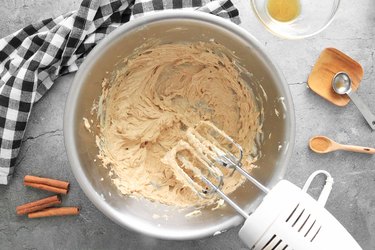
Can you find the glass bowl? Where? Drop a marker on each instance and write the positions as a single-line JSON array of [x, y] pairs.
[[311, 18]]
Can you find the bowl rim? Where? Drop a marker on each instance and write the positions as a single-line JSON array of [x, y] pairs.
[[295, 37], [73, 96]]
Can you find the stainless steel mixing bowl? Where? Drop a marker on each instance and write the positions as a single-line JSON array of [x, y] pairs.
[[170, 27]]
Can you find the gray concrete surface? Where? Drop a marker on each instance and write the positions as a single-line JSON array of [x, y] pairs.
[[352, 200]]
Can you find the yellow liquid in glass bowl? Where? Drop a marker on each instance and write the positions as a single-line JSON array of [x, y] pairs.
[[284, 10]]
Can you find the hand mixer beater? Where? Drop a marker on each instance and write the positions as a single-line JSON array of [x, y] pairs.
[[287, 218]]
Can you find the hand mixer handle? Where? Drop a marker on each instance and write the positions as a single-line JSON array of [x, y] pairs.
[[288, 218], [326, 189]]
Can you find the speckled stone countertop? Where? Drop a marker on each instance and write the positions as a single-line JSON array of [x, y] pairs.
[[352, 200]]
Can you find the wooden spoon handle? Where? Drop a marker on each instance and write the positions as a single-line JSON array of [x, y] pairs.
[[358, 149]]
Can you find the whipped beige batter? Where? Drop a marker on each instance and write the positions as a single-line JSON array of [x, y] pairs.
[[147, 106]]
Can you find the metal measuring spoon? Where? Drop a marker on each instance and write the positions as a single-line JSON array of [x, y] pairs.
[[342, 84]]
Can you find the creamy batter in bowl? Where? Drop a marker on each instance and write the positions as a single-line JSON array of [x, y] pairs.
[[152, 218], [148, 104]]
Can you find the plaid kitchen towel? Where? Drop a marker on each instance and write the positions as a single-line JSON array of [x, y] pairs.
[[33, 57]]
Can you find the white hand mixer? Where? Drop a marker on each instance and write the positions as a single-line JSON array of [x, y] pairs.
[[287, 218]]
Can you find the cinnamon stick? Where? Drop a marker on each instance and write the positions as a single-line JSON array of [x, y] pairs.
[[38, 205], [46, 187], [47, 181], [56, 211]]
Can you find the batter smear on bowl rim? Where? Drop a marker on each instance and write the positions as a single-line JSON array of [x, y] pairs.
[[149, 103]]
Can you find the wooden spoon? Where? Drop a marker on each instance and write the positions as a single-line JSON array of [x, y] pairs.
[[321, 144]]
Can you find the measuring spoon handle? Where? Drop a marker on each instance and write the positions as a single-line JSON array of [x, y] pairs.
[[370, 118], [358, 149]]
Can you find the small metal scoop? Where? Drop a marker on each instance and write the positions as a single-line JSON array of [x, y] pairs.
[[342, 84]]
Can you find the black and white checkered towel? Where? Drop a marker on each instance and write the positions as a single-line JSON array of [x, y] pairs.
[[33, 57]]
